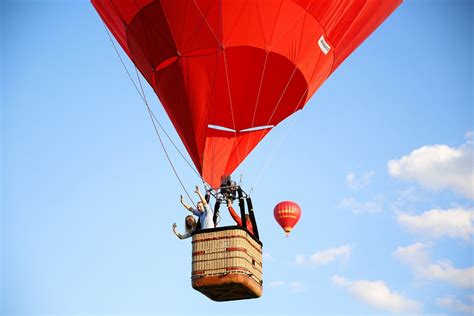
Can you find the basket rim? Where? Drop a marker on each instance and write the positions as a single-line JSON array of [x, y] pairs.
[[224, 228]]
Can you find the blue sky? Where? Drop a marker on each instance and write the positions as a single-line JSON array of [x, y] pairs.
[[380, 160]]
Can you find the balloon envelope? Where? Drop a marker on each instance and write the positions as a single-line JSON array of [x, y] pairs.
[[227, 71]]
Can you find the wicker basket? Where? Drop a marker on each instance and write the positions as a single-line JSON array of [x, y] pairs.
[[227, 264]]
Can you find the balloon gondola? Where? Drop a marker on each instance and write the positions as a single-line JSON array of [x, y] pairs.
[[229, 267], [227, 261]]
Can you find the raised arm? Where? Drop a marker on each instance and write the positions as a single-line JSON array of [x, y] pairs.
[[180, 236], [232, 212], [203, 200], [186, 206]]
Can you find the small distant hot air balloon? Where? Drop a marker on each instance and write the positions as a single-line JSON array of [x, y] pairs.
[[287, 214]]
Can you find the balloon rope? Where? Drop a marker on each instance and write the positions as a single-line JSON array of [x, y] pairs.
[[203, 16], [273, 153], [267, 162], [152, 116], [231, 107], [176, 147], [286, 134], [207, 23], [258, 96], [214, 85], [267, 52], [270, 157], [143, 96], [275, 149], [161, 141]]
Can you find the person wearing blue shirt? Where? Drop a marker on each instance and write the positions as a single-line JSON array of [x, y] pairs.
[[203, 211]]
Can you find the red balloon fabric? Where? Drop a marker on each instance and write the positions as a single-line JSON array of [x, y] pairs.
[[227, 71], [287, 214]]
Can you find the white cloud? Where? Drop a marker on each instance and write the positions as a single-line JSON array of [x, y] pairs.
[[456, 305], [358, 182], [378, 295], [294, 287], [469, 137], [371, 207], [268, 257], [325, 257], [297, 287], [300, 260], [417, 257], [454, 222], [439, 167], [409, 199]]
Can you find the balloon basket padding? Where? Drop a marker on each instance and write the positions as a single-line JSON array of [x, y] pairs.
[[227, 264]]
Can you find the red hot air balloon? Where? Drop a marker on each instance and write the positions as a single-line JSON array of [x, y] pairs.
[[228, 71], [287, 214]]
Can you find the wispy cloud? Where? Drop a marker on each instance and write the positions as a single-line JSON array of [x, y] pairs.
[[439, 167], [378, 295], [297, 287], [454, 222], [417, 257], [326, 256], [277, 283], [456, 304], [357, 182], [357, 207], [294, 287], [268, 257]]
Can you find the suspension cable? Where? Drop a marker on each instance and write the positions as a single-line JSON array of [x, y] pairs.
[[164, 131], [270, 157], [152, 116], [273, 153]]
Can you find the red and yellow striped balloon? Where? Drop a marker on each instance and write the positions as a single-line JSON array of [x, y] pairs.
[[287, 214]]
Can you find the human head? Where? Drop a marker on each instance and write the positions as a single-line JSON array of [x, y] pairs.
[[189, 222], [233, 189], [225, 180], [200, 206], [247, 217]]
